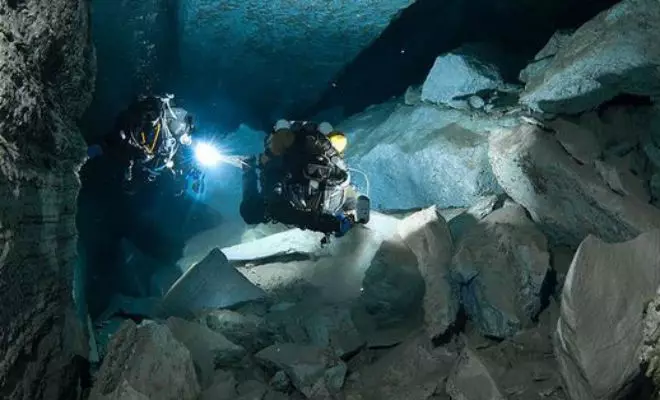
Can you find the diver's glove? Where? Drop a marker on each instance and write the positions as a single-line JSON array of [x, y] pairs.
[[94, 151], [345, 224]]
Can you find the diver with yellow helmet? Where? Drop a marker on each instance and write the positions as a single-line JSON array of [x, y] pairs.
[[304, 179]]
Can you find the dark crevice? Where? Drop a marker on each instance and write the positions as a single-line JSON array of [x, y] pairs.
[[456, 328], [548, 289], [625, 100]]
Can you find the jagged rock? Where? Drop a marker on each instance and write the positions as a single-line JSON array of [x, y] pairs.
[[146, 362], [333, 327], [413, 96], [209, 349], [250, 331], [412, 370], [313, 371], [579, 142], [463, 220], [599, 334], [616, 52], [427, 235], [543, 59], [568, 200], [432, 145], [650, 353], [280, 381], [393, 287], [334, 272], [46, 83], [211, 283], [223, 387], [501, 264], [622, 181], [214, 35], [524, 367], [459, 74], [470, 379]]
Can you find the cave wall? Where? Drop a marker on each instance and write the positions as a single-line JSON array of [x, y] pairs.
[[137, 52], [46, 78], [406, 50]]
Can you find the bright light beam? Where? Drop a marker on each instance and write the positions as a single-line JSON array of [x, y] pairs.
[[209, 156]]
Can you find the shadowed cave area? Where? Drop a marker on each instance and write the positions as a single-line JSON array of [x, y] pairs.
[[510, 151]]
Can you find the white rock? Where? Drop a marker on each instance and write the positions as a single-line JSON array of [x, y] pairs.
[[568, 200], [209, 349], [456, 75], [427, 235], [616, 52], [599, 334], [146, 362], [476, 102], [432, 148], [502, 263]]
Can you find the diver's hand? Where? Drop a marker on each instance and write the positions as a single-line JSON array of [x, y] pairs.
[[345, 224]]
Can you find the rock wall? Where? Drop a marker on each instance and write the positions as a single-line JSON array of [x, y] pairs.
[[46, 78]]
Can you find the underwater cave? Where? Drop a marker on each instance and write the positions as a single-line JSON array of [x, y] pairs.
[[510, 152]]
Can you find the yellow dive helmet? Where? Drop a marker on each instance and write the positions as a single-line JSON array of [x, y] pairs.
[[338, 139]]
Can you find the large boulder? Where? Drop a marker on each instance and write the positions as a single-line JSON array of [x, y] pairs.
[[599, 333], [433, 147], [471, 379], [568, 199], [314, 371], [209, 349], [427, 235], [412, 370], [146, 362], [250, 331], [289, 51], [617, 52], [393, 287], [456, 76], [501, 264]]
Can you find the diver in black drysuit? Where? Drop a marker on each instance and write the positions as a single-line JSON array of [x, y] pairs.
[[151, 138], [295, 155]]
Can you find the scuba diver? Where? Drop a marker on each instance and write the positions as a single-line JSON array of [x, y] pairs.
[[304, 181], [151, 137]]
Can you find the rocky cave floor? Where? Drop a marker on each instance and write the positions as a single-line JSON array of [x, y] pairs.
[[542, 288]]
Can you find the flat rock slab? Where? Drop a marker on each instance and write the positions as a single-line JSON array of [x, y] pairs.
[[212, 283], [470, 379]]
